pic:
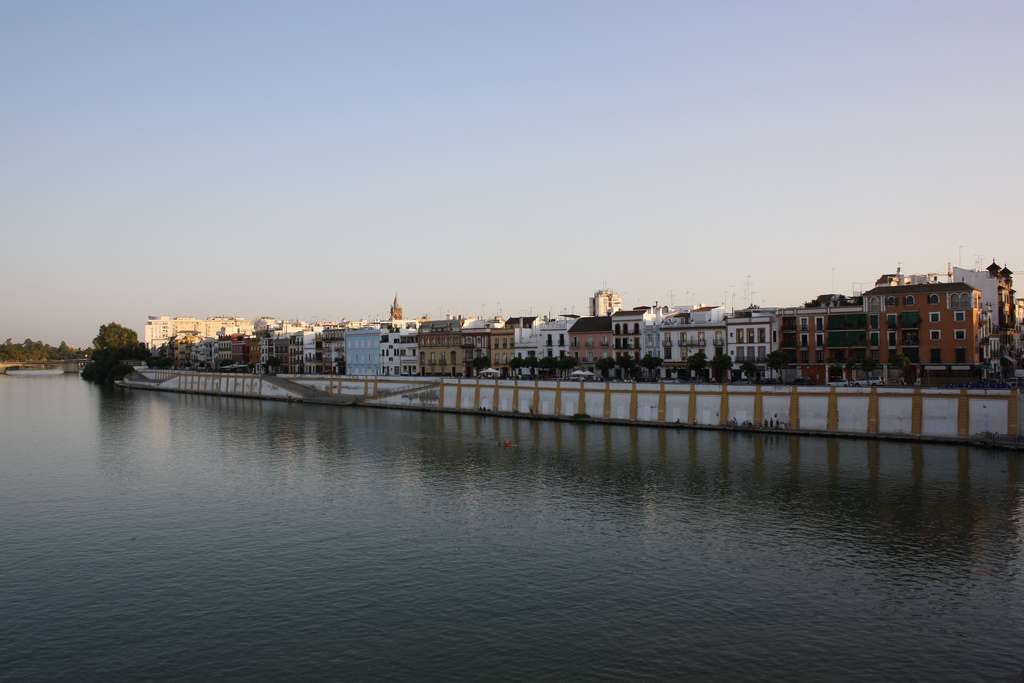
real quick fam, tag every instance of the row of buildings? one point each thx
(960, 325)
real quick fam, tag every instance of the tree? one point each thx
(902, 363)
(651, 363)
(548, 364)
(516, 364)
(113, 336)
(480, 363)
(273, 363)
(29, 350)
(160, 362)
(605, 365)
(627, 364)
(868, 365)
(835, 371)
(721, 364)
(851, 368)
(697, 363)
(113, 346)
(777, 362)
(566, 363)
(750, 370)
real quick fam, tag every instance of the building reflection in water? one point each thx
(948, 497)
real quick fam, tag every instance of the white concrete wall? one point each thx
(939, 414)
(895, 414)
(939, 408)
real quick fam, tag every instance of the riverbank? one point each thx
(987, 418)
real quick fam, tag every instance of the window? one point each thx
(936, 355)
(874, 339)
(960, 335)
(803, 324)
(933, 299)
(892, 340)
(819, 323)
(958, 316)
(890, 320)
(819, 356)
(803, 340)
(760, 335)
(819, 340)
(933, 317)
(890, 301)
(934, 335)
(909, 300)
(961, 355)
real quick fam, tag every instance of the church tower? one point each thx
(396, 309)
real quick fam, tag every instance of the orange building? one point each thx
(936, 325)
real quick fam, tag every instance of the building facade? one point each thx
(604, 302)
(363, 351)
(590, 339)
(441, 350)
(160, 328)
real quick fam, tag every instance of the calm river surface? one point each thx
(164, 537)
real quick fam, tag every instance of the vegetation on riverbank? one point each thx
(113, 346)
(30, 351)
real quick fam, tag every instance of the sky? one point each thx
(308, 160)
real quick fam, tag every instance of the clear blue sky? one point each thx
(309, 159)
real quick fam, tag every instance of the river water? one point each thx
(170, 537)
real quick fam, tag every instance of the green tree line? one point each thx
(29, 351)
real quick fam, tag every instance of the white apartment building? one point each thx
(399, 352)
(552, 337)
(605, 302)
(526, 337)
(204, 354)
(160, 328)
(682, 334)
(752, 334)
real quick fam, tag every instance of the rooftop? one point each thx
(600, 323)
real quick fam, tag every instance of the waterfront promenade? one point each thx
(991, 417)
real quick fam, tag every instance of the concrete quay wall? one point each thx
(932, 414)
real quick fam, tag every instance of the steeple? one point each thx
(396, 309)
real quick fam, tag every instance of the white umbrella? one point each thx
(581, 373)
(490, 371)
